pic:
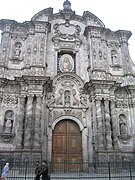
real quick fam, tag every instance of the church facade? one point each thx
(67, 89)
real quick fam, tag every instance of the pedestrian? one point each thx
(44, 171)
(37, 171)
(5, 171)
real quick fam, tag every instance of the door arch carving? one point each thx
(66, 146)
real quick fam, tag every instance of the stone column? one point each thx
(28, 124)
(19, 140)
(37, 125)
(108, 125)
(99, 125)
(114, 125)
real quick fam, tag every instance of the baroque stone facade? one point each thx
(64, 66)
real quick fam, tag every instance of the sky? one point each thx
(115, 14)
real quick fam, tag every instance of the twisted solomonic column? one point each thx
(1, 98)
(108, 125)
(37, 125)
(28, 124)
(114, 125)
(19, 137)
(99, 125)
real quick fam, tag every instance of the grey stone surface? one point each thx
(65, 66)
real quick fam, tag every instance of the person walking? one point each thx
(5, 171)
(44, 171)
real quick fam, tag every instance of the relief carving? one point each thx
(66, 32)
(83, 101)
(75, 100)
(122, 104)
(9, 99)
(59, 101)
(50, 99)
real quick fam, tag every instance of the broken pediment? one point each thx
(68, 14)
(92, 20)
(43, 15)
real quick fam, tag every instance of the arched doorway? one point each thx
(66, 146)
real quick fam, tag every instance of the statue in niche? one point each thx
(124, 137)
(122, 125)
(114, 58)
(8, 121)
(67, 98)
(17, 52)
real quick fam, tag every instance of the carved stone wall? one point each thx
(61, 66)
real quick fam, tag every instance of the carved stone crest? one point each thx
(67, 33)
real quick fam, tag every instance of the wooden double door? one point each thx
(66, 147)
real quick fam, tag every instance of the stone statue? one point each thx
(8, 122)
(114, 57)
(17, 50)
(123, 125)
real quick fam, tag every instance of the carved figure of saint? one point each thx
(8, 122)
(17, 50)
(114, 57)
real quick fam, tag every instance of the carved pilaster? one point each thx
(99, 124)
(114, 125)
(37, 126)
(28, 124)
(107, 125)
(20, 123)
